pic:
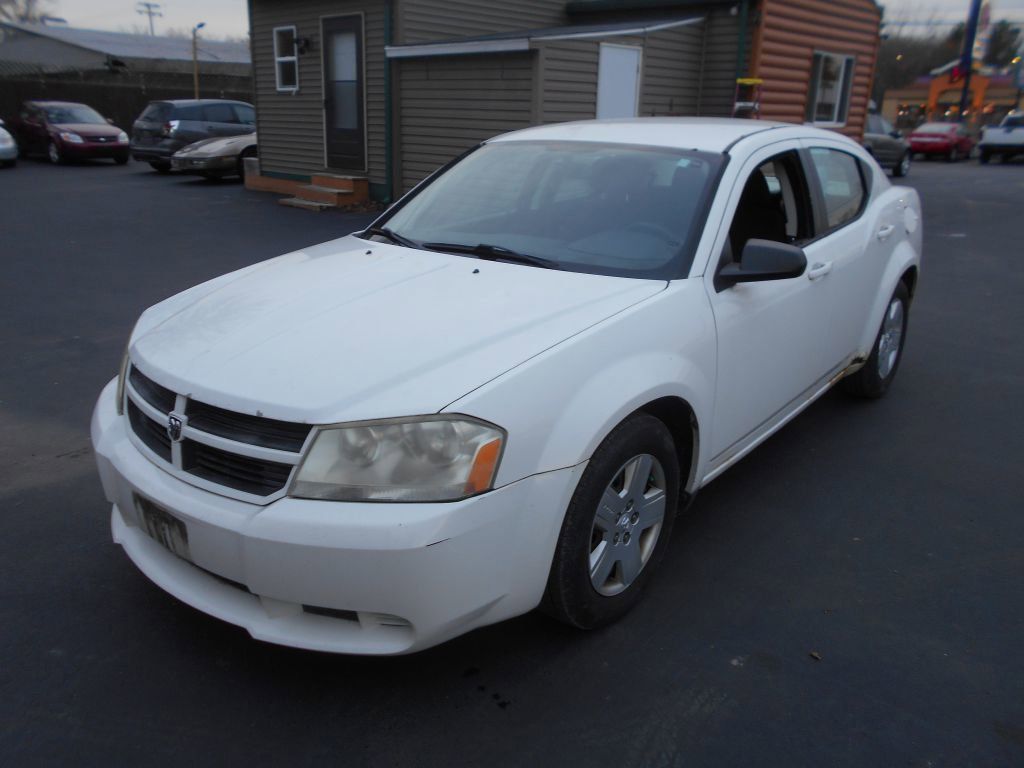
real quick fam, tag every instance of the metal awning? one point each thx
(521, 40)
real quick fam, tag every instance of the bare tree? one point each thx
(29, 11)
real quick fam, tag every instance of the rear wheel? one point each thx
(159, 166)
(983, 156)
(617, 525)
(873, 379)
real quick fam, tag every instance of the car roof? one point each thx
(48, 103)
(709, 134)
(194, 102)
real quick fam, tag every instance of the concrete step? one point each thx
(308, 205)
(316, 193)
(357, 184)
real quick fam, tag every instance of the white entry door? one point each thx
(618, 81)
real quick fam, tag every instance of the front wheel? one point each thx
(160, 167)
(54, 154)
(902, 168)
(983, 156)
(617, 525)
(873, 379)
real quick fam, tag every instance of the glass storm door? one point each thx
(344, 121)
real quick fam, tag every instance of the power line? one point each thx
(148, 9)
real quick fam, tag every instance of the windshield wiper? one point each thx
(493, 253)
(392, 236)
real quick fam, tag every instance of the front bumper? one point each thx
(9, 152)
(393, 578)
(88, 149)
(191, 164)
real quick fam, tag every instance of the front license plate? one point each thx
(163, 527)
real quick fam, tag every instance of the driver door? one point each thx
(772, 335)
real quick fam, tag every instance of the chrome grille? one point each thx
(235, 454)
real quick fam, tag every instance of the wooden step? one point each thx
(319, 194)
(357, 184)
(308, 205)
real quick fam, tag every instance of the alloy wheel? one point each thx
(53, 153)
(890, 339)
(627, 524)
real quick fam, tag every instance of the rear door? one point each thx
(344, 114)
(855, 240)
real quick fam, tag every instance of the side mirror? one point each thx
(763, 260)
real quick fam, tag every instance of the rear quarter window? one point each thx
(156, 113)
(842, 185)
(220, 113)
(192, 112)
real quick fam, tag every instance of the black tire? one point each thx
(870, 381)
(53, 154)
(983, 157)
(159, 166)
(121, 159)
(241, 162)
(902, 168)
(9, 163)
(571, 597)
(953, 155)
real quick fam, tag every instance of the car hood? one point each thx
(90, 130)
(220, 145)
(356, 330)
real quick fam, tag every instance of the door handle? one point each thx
(819, 270)
(884, 232)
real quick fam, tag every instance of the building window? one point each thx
(829, 94)
(286, 59)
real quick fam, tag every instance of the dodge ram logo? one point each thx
(174, 425)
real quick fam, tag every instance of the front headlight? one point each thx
(425, 458)
(121, 376)
(122, 138)
(71, 138)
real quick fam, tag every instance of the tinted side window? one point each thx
(189, 113)
(841, 185)
(245, 114)
(220, 113)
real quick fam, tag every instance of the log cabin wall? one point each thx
(789, 33)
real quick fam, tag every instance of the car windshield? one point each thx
(579, 206)
(1013, 122)
(73, 113)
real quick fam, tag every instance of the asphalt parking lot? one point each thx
(885, 538)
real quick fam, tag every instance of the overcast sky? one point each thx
(228, 17)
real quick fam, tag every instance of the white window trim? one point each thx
(849, 64)
(279, 58)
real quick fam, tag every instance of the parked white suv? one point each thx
(498, 396)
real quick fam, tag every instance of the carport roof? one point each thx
(520, 40)
(123, 45)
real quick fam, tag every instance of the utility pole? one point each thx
(967, 56)
(195, 57)
(151, 10)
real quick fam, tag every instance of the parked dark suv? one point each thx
(164, 127)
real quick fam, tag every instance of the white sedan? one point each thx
(499, 395)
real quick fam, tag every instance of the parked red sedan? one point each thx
(63, 131)
(948, 140)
